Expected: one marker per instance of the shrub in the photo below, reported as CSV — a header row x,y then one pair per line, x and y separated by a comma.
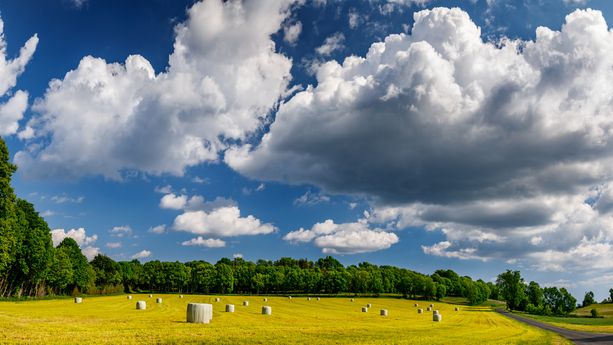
x,y
594,312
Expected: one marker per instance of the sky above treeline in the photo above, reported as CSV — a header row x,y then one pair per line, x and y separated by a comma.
x,y
471,135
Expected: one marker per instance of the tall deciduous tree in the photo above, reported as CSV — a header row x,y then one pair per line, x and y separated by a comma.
x,y
512,288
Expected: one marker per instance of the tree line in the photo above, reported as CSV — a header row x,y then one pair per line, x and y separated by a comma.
x,y
31,266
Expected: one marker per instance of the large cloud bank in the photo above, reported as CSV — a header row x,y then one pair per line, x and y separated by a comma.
x,y
504,147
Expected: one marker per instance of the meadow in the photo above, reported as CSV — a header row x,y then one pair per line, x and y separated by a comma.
x,y
114,319
580,320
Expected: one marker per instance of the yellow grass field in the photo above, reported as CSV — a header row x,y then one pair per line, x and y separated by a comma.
x,y
115,320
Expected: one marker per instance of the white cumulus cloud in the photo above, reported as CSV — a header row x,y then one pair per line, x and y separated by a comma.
x,y
108,118
13,109
80,236
143,254
345,238
202,242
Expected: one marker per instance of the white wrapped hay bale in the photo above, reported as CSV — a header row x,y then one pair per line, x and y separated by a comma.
x,y
420,311
158,300
78,300
217,299
266,310
437,317
141,305
246,303
369,305
383,312
364,309
129,297
229,308
199,312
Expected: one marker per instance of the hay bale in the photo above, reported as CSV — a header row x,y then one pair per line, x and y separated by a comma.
x,y
435,312
158,300
266,310
420,311
180,296
364,309
229,308
265,299
217,299
429,309
417,305
78,300
431,305
319,299
141,305
290,297
129,297
457,308
199,312
369,305
383,312
308,298
150,295
437,317
246,303
353,300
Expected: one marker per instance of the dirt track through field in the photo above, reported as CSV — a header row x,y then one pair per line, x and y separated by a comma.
x,y
577,337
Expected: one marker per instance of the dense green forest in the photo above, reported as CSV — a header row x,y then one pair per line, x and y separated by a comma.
x,y
31,266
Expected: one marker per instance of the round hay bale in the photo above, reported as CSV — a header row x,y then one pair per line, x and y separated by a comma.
x,y
319,299
150,295
217,299
246,303
383,312
229,308
265,299
308,298
457,308
180,296
129,297
364,310
435,312
429,309
437,317
416,304
158,300
199,312
290,297
431,305
420,311
141,305
78,300
266,310
369,305
353,300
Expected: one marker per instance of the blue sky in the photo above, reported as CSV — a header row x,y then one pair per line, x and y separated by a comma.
x,y
480,176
